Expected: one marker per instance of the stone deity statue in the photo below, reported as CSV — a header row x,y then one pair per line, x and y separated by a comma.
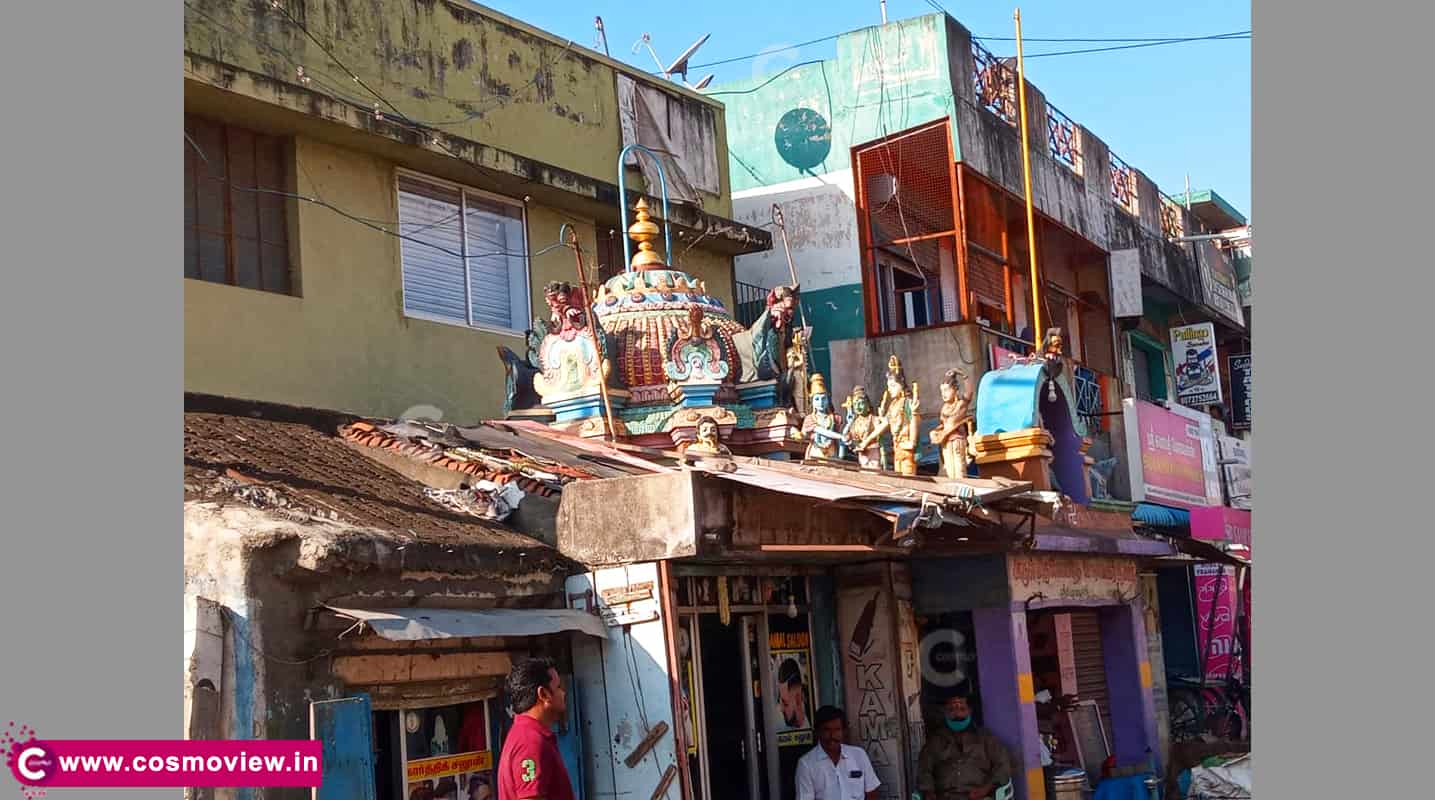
x,y
863,433
820,426
709,440
899,415
956,422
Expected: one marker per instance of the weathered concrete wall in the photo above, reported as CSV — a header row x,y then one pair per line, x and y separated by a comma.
x,y
346,344
625,692
268,574
821,219
458,66
884,79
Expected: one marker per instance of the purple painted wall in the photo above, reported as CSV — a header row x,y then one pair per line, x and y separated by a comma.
x,y
1133,707
1003,657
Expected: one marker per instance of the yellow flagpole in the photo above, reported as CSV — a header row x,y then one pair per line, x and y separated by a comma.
x,y
1036,331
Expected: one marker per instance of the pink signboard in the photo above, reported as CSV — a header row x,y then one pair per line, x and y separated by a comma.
x,y
1002,357
1216,620
1222,524
1168,453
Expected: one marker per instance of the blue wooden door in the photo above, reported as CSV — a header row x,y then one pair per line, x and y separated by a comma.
x,y
346,729
570,738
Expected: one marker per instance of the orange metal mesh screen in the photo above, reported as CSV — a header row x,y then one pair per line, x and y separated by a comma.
x,y
907,185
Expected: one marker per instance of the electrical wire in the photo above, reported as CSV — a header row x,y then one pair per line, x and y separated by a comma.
x,y
1070,39
1222,37
365,222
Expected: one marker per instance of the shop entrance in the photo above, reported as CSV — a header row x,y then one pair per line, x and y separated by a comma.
x,y
748,685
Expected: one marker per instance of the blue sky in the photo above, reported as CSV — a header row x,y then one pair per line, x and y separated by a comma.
x,y
1168,110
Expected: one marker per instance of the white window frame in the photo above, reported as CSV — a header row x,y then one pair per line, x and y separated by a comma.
x,y
464,190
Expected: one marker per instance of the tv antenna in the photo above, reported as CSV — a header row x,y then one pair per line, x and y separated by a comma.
x,y
678,66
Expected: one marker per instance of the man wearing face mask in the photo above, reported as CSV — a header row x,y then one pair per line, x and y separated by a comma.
x,y
961,761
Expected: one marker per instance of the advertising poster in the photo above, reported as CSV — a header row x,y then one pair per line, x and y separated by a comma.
x,y
1218,279
1172,458
870,672
792,672
1240,369
1216,620
448,754
1236,471
1193,351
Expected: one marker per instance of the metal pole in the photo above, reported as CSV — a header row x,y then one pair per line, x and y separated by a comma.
x,y
1036,331
603,364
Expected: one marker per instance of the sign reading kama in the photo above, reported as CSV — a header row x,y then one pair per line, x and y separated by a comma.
x,y
1172,456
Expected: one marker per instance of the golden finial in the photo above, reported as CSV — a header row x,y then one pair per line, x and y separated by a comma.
x,y
644,231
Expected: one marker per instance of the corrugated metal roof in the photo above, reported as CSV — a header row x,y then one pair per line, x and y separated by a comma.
x,y
420,624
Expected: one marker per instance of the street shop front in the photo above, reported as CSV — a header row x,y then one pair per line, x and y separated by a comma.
x,y
778,591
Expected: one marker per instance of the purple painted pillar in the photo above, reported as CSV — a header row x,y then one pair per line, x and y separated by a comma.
x,y
1008,704
1128,685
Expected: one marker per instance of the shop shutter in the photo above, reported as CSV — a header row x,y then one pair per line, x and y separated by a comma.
x,y
1090,664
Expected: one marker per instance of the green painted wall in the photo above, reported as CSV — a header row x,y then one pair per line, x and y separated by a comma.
x,y
904,63
835,314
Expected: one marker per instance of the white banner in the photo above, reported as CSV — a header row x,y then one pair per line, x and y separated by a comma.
x,y
1126,283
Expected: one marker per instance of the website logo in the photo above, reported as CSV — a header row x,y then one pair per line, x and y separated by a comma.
x,y
30,760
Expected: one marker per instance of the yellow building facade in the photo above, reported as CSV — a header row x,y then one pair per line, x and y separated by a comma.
x,y
290,115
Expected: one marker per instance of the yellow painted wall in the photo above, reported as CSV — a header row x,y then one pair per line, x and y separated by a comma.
x,y
345,344
450,64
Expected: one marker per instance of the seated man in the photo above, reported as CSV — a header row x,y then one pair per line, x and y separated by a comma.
x,y
961,761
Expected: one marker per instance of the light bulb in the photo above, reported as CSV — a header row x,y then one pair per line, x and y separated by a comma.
x,y
791,607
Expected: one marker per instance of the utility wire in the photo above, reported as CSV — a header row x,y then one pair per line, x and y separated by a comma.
x,y
1069,39
1220,37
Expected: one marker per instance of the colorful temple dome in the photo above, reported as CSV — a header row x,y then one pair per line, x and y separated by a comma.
x,y
652,355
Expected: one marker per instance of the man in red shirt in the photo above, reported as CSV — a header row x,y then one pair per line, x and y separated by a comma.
x,y
530,767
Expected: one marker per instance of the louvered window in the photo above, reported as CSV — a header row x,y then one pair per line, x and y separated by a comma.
x,y
465,256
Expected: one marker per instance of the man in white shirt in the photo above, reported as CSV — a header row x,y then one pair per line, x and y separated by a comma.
x,y
833,770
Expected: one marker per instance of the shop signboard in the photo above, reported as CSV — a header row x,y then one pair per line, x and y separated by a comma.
x,y
1236,471
864,616
1172,455
1063,577
447,752
1193,351
1218,280
1221,524
1240,370
1215,587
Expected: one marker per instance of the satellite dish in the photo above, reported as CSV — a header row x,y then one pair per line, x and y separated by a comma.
x,y
680,66
703,84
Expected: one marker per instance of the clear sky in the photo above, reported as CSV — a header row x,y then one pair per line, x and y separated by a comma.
x,y
1169,110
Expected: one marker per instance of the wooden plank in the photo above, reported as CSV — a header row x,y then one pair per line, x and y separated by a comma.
x,y
369,670
647,744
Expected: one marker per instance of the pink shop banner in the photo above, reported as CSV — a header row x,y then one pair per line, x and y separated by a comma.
x,y
1172,461
1216,620
1221,524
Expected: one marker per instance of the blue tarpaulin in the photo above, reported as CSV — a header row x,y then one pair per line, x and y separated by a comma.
x,y
1161,516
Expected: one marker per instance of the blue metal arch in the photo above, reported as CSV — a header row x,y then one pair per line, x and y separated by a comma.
x,y
623,205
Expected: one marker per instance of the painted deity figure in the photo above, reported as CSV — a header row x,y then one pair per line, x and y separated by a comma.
x,y
820,426
955,423
772,339
796,371
863,433
709,440
899,413
1052,350
566,309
